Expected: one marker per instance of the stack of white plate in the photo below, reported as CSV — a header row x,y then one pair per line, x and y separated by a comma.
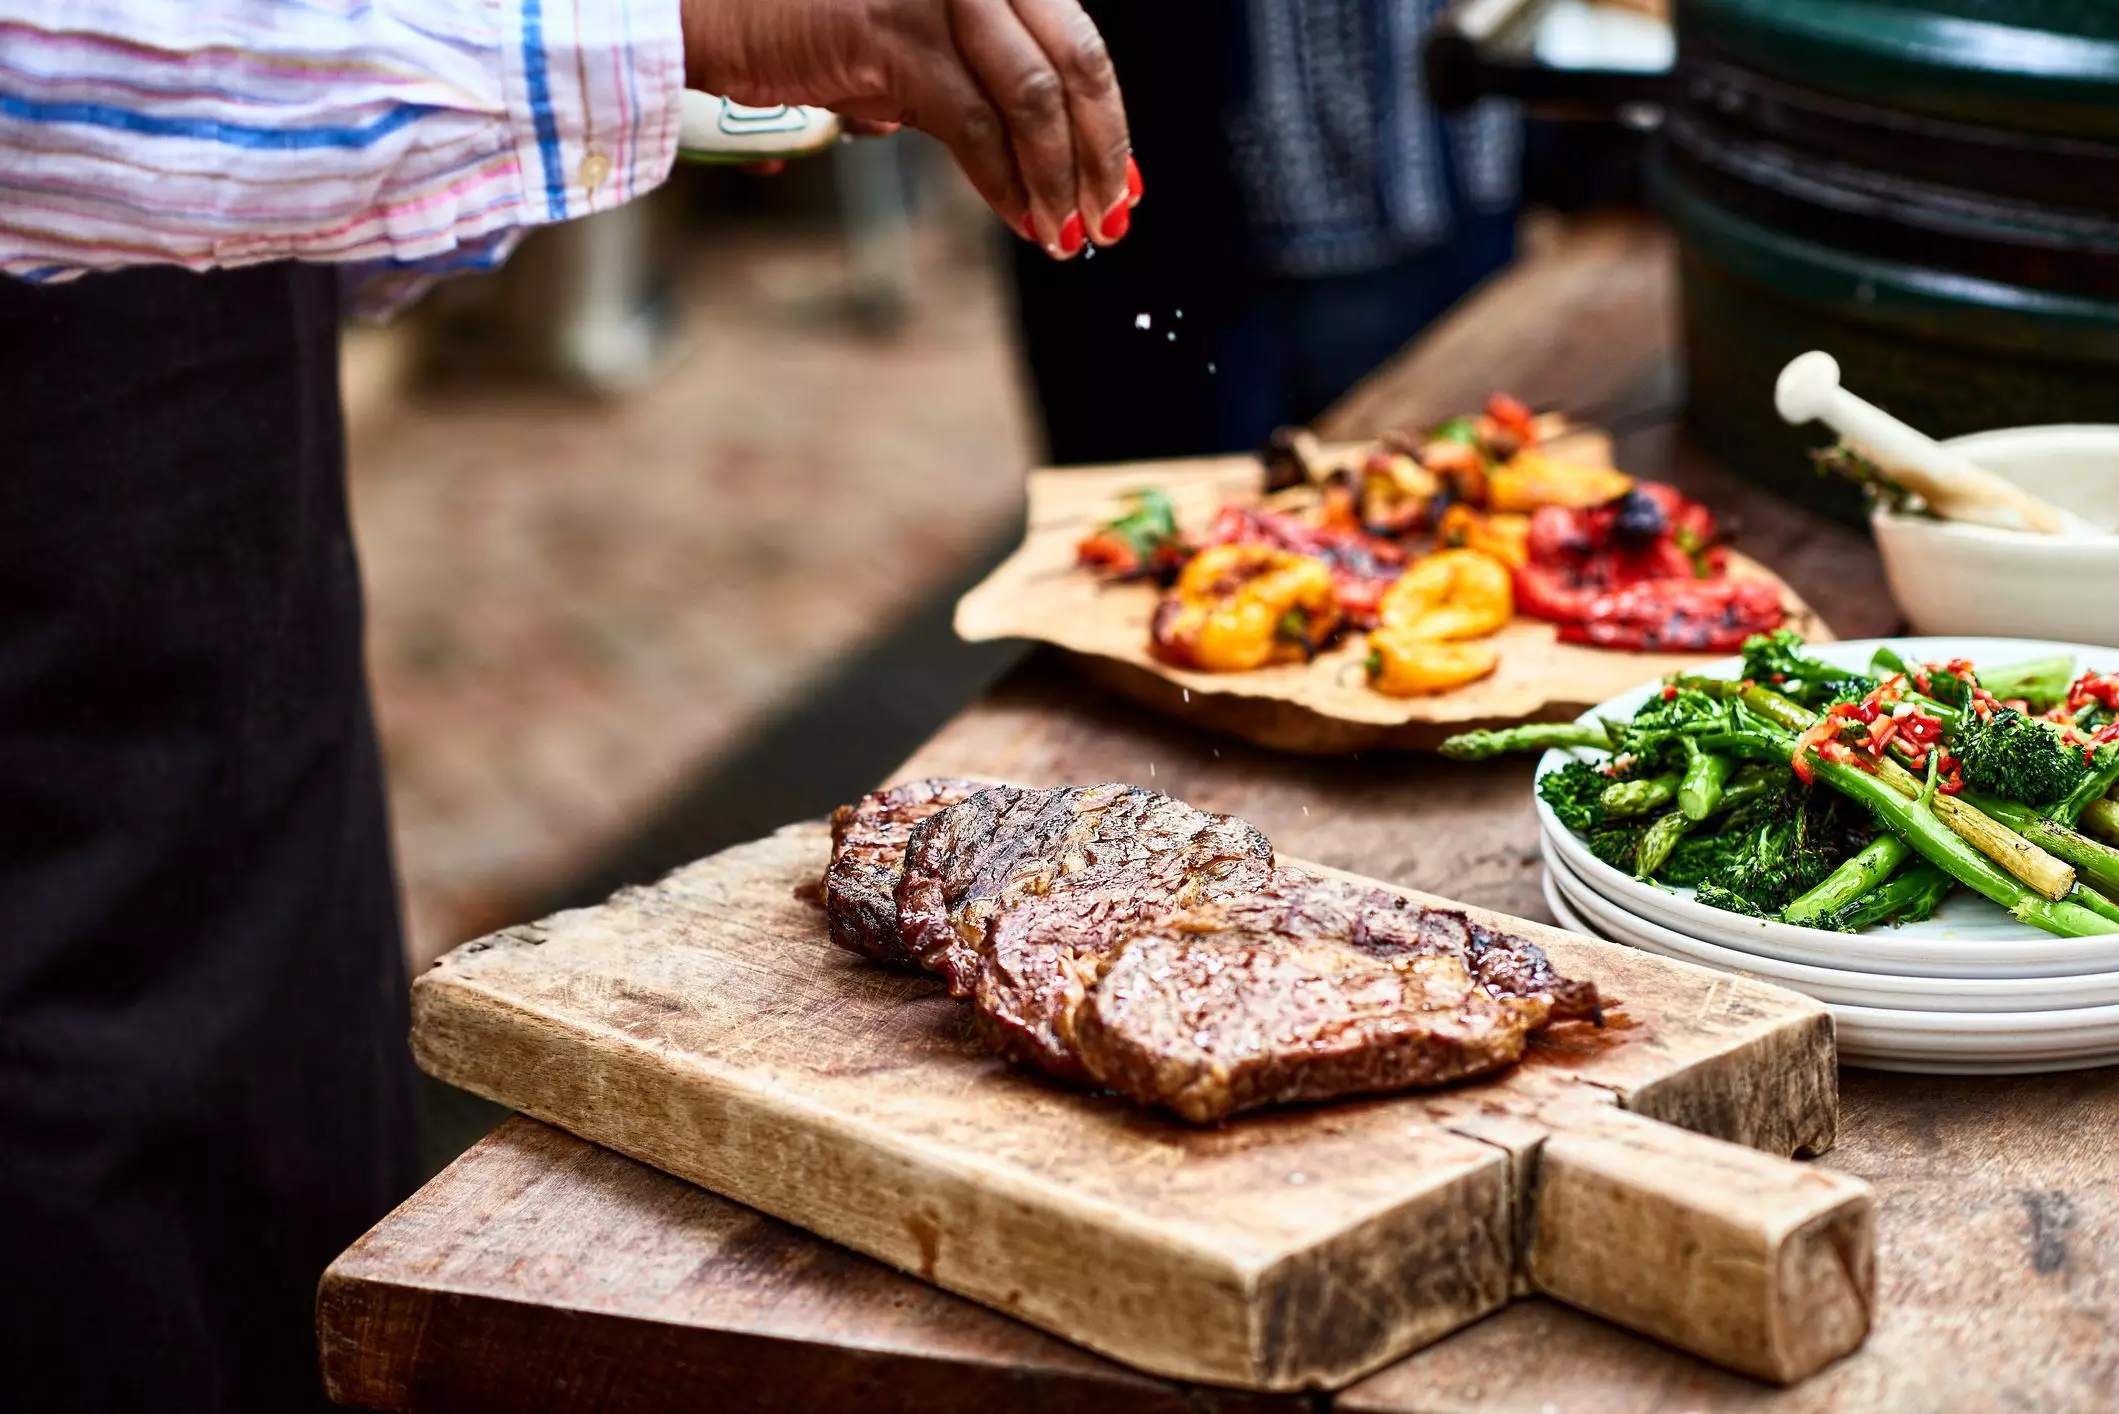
x,y
1970,991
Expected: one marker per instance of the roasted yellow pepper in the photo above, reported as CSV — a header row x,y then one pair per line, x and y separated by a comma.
x,y
1450,594
1531,479
1504,535
1404,665
1237,607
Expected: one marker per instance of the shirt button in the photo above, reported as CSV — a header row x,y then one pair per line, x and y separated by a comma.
x,y
594,169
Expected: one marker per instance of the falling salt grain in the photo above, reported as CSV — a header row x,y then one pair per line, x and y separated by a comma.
x,y
1217,753
1151,768
1143,321
1187,692
1305,810
1298,1178
1180,314
1171,336
1210,368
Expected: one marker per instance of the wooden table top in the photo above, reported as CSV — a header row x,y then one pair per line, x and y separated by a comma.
x,y
543,1273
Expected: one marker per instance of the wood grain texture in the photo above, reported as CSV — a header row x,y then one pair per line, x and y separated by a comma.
x,y
707,1026
542,1273
1762,1266
1324,706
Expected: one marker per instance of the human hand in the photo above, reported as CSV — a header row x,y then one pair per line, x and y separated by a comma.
x,y
1021,91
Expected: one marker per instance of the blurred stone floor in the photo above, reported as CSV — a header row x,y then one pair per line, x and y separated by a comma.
x,y
582,610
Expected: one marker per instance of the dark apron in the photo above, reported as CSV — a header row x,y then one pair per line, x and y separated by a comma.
x,y
204,1086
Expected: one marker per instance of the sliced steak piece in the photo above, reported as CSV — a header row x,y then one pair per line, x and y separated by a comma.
x,y
1049,956
868,841
1209,1019
1136,853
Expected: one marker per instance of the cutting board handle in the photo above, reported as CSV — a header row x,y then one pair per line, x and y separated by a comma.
x,y
1749,1260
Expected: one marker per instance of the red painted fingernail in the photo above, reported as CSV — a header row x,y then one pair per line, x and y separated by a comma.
x,y
1133,182
1024,228
1117,220
1071,236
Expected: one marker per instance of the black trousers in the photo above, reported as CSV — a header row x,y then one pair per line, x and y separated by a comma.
x,y
204,1086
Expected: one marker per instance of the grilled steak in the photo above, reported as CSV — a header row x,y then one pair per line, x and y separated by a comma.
x,y
1115,936
867,858
1136,852
1424,995
1209,1017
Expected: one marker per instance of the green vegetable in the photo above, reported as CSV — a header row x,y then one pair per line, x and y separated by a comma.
x,y
1862,873
2017,757
1700,788
1786,849
2098,778
1532,736
2096,862
1150,522
1657,842
2042,682
1910,897
1624,799
1775,658
1464,430
2095,902
2101,818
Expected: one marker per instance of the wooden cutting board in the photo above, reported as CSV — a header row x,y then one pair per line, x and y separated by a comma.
x,y
1323,707
705,1025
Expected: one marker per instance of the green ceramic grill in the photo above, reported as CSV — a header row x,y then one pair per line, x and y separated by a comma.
x,y
1930,191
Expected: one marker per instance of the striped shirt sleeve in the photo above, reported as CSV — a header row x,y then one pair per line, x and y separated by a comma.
x,y
400,135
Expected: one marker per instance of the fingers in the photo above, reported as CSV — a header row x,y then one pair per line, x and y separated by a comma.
x,y
1107,182
1027,93
942,99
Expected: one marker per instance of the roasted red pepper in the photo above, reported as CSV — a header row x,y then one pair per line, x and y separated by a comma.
x,y
1642,572
1679,616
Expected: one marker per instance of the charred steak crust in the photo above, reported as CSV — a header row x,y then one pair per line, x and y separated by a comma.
x,y
1209,1019
1138,852
868,840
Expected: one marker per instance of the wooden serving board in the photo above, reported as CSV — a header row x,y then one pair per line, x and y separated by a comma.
x,y
705,1025
1324,707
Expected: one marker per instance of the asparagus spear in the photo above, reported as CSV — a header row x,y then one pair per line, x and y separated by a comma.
x,y
2101,818
1908,897
1861,874
1531,736
1625,799
1657,841
1700,788
2095,902
2098,863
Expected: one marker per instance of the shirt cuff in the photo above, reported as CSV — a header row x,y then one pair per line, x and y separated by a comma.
x,y
594,90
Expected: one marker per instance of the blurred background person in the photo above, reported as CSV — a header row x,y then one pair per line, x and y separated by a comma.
x,y
1313,214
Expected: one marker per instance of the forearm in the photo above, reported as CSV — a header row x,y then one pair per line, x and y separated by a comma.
x,y
400,131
